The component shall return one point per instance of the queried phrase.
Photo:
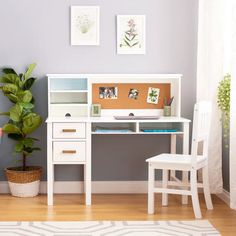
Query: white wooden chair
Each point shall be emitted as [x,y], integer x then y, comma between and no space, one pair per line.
[191,163]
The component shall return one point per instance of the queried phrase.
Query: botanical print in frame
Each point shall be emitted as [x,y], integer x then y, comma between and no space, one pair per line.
[96,110]
[153,95]
[85,25]
[131,34]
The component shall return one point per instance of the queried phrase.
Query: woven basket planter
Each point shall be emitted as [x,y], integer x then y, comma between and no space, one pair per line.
[24,183]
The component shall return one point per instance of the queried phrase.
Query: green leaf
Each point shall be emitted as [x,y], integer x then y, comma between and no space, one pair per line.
[33,100]
[11,129]
[24,96]
[4,113]
[13,98]
[19,147]
[35,139]
[16,137]
[127,43]
[26,105]
[135,44]
[31,122]
[9,88]
[127,38]
[134,36]
[36,149]
[3,80]
[15,112]
[29,71]
[28,142]
[28,83]
[27,96]
[12,79]
[9,71]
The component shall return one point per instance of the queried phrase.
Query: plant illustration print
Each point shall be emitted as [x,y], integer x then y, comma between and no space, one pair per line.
[84,23]
[153,95]
[131,37]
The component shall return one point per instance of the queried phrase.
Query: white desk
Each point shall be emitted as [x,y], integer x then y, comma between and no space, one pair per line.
[69,141]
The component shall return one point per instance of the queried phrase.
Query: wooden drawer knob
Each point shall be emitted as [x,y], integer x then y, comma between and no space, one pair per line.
[69,151]
[69,130]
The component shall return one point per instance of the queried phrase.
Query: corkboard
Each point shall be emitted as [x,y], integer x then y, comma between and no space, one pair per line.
[124,102]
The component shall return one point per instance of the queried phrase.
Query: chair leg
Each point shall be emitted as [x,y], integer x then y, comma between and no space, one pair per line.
[206,188]
[194,191]
[151,180]
[185,180]
[165,176]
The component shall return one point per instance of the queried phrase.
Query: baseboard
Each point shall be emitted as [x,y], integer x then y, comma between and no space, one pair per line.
[106,187]
[97,187]
[225,197]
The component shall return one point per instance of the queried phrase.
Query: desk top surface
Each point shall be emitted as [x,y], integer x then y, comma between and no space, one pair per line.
[111,119]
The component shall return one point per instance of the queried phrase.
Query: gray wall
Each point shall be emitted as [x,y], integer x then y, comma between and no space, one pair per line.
[39,31]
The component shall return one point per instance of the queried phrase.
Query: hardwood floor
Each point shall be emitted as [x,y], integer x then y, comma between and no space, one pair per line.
[112,207]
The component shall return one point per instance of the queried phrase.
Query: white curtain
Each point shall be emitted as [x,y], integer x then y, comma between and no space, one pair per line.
[233,110]
[210,70]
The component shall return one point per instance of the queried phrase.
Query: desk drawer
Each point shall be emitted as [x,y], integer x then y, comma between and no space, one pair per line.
[69,151]
[69,130]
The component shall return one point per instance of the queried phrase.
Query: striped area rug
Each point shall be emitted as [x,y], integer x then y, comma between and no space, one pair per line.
[108,228]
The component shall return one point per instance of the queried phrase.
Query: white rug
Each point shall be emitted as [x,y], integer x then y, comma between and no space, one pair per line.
[108,228]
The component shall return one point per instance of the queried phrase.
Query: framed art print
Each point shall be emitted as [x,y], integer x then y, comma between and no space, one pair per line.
[96,110]
[153,95]
[131,34]
[85,22]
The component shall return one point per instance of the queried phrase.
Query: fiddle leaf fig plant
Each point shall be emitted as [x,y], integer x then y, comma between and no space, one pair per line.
[22,119]
[223,100]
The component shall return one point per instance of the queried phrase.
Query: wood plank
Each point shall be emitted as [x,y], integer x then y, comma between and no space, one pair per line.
[71,207]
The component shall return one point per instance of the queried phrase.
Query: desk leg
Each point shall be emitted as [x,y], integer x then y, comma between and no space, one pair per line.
[87,184]
[50,166]
[185,151]
[87,167]
[173,151]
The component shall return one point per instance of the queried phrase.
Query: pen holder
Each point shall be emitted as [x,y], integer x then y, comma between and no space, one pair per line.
[167,110]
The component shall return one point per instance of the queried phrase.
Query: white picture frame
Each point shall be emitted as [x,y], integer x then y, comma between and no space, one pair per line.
[95,110]
[153,95]
[131,34]
[85,25]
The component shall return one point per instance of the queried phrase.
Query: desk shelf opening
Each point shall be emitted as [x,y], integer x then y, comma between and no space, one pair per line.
[165,128]
[113,128]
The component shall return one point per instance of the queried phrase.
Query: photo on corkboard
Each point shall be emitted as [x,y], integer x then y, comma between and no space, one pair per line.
[133,94]
[153,95]
[108,92]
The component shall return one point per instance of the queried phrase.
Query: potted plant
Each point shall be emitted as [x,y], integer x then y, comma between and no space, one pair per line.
[23,121]
[223,100]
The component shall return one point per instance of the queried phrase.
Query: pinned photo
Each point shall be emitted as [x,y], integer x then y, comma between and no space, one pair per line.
[108,92]
[133,94]
[153,95]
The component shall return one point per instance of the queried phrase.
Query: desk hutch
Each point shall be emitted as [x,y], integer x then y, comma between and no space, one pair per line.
[70,125]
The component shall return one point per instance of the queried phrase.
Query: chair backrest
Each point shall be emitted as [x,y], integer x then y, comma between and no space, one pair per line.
[201,128]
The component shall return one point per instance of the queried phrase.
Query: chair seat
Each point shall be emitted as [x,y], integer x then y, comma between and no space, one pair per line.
[176,161]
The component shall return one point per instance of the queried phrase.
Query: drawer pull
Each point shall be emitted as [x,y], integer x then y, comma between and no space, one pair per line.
[69,130]
[68,151]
